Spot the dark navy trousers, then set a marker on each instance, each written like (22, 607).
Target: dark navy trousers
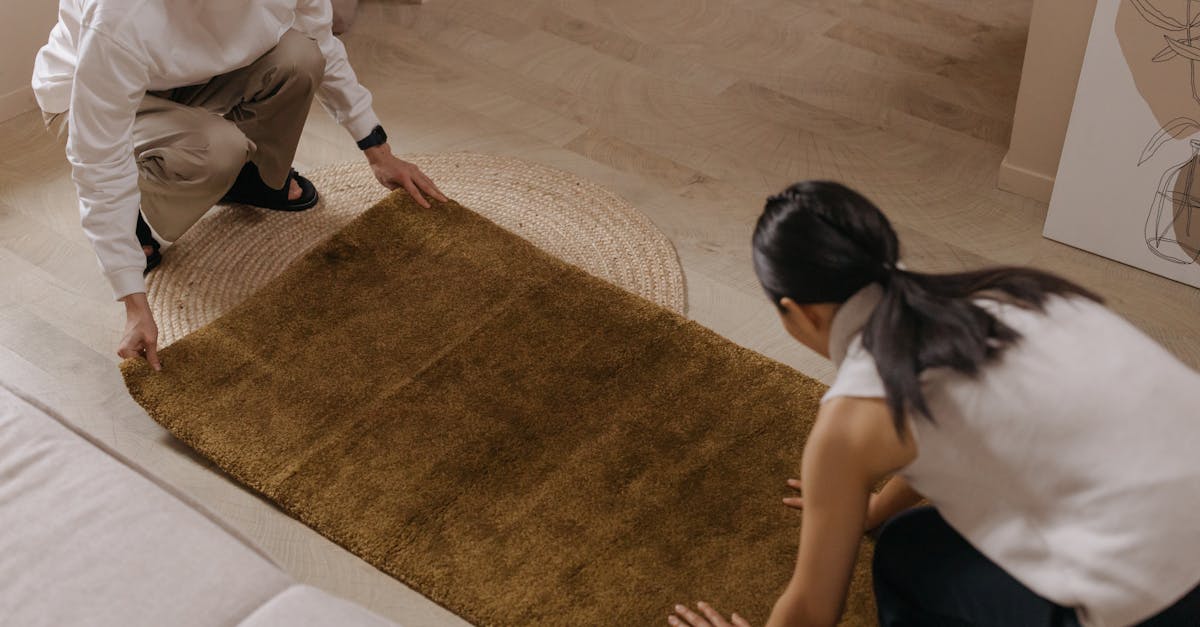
(927, 575)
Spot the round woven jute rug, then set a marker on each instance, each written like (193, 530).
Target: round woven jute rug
(234, 250)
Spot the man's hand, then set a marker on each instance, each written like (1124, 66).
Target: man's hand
(395, 173)
(684, 617)
(141, 333)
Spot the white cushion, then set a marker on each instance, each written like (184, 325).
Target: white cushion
(86, 539)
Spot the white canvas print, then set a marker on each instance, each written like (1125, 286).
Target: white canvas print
(1128, 184)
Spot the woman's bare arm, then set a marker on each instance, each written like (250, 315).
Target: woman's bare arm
(852, 446)
(896, 496)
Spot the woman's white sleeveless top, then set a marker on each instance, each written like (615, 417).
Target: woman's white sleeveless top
(1073, 461)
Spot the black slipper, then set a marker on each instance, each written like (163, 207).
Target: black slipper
(146, 238)
(249, 189)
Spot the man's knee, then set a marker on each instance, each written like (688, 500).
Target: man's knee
(211, 153)
(229, 150)
(299, 55)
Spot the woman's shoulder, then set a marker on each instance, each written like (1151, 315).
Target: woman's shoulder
(858, 374)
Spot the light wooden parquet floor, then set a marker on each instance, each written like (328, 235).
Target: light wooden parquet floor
(693, 110)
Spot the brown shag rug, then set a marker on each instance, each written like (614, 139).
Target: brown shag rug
(235, 250)
(516, 439)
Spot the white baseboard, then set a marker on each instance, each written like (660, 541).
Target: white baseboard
(1025, 182)
(16, 102)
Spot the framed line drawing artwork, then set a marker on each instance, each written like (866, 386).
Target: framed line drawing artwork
(1128, 184)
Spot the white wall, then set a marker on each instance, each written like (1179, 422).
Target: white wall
(24, 26)
(1058, 36)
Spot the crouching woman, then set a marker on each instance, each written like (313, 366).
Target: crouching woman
(1058, 446)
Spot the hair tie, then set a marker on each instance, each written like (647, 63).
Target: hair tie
(887, 270)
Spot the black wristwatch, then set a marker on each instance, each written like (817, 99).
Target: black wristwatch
(376, 138)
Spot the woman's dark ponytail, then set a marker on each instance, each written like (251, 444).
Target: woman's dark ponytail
(821, 242)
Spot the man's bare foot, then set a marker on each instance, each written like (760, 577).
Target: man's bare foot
(294, 190)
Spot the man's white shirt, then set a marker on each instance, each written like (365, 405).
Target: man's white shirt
(104, 55)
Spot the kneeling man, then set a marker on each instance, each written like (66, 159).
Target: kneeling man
(167, 107)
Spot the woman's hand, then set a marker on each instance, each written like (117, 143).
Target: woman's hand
(708, 617)
(395, 173)
(797, 502)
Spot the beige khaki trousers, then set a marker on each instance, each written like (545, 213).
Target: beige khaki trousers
(190, 143)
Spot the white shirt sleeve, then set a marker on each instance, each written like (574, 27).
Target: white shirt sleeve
(110, 81)
(340, 93)
(54, 65)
